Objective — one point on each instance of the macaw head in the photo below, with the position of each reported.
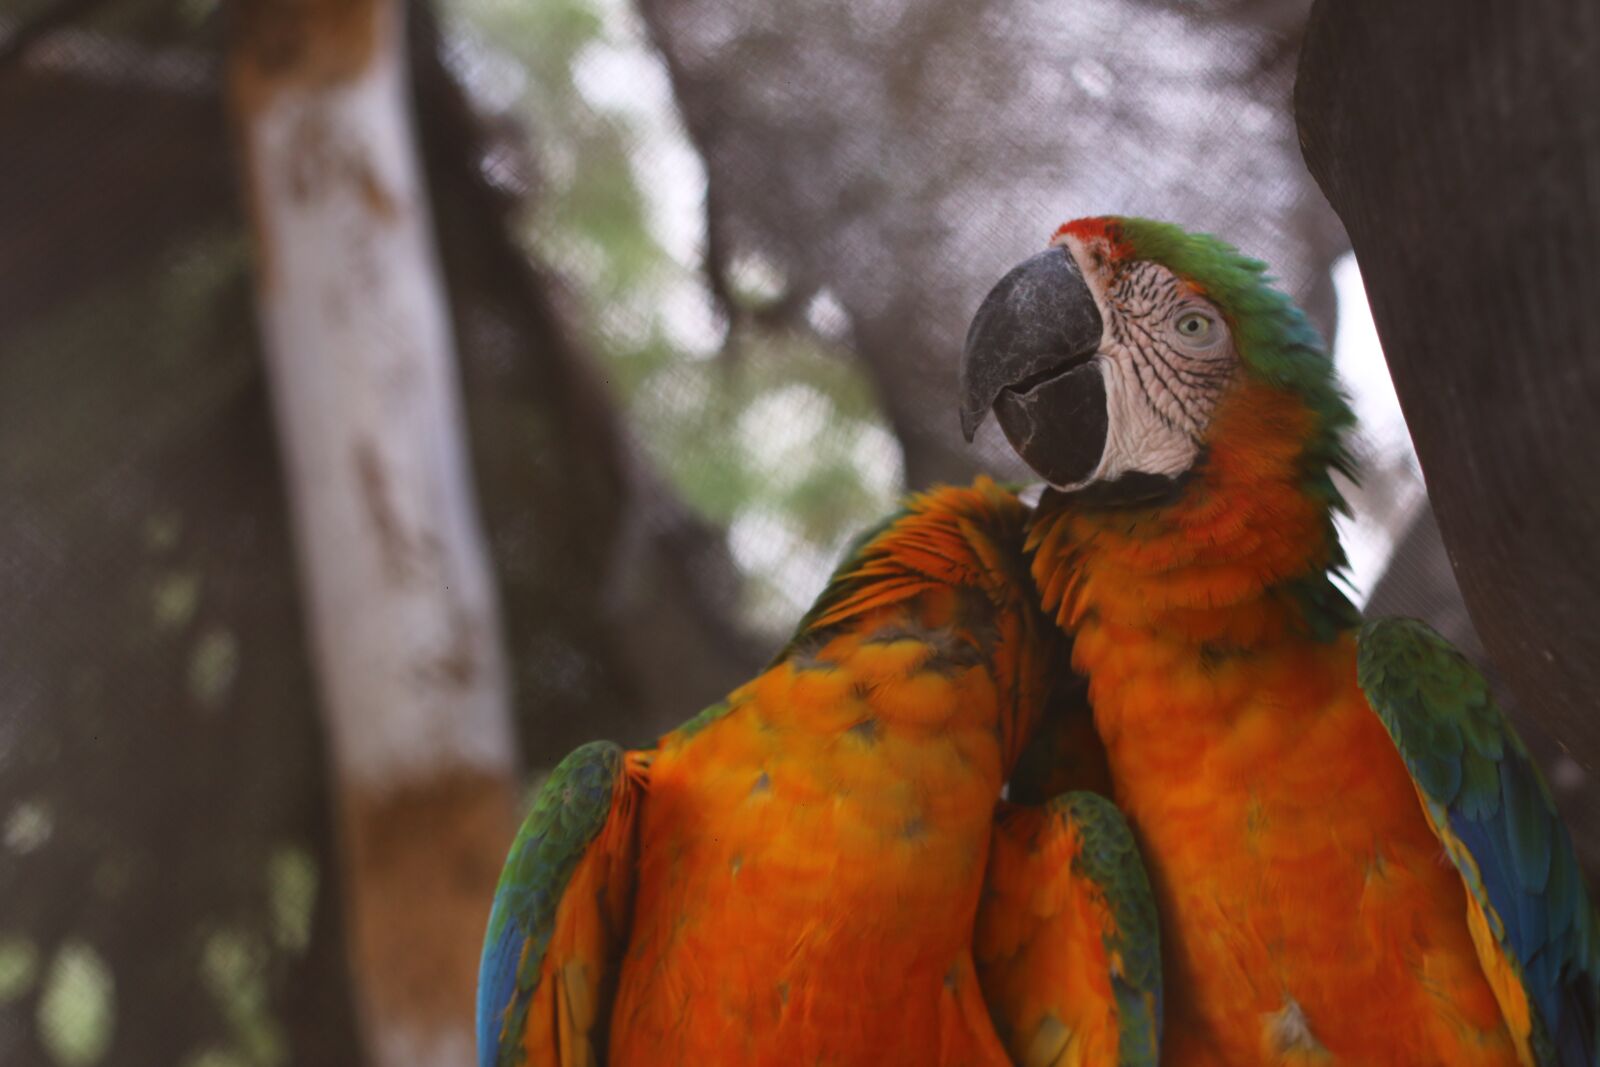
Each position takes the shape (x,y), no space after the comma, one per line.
(1129,353)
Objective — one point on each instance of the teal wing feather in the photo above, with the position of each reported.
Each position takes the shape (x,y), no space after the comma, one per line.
(1111,860)
(1496,820)
(572,808)
(1029,931)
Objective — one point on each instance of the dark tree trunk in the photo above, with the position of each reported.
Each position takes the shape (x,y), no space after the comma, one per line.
(1460,143)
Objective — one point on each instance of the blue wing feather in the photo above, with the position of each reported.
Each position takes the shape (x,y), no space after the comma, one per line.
(569,812)
(1483,791)
(497,980)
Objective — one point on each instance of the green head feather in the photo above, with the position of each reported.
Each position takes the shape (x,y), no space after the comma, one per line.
(1279,345)
(1274,338)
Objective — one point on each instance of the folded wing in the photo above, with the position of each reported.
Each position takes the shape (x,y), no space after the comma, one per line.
(1531,918)
(560,914)
(1067,947)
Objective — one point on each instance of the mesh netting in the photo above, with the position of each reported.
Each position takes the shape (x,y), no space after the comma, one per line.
(709,265)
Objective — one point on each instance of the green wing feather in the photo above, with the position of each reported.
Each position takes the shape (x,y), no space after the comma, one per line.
(1110,859)
(570,811)
(1028,927)
(1498,824)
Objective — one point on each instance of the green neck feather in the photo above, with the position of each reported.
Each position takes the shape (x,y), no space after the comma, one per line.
(1277,344)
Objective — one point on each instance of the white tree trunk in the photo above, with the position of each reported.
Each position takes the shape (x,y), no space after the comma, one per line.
(357,339)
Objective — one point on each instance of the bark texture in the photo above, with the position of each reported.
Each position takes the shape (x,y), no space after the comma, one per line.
(1460,145)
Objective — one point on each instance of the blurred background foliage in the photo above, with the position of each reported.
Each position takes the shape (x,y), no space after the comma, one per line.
(709,266)
(768,430)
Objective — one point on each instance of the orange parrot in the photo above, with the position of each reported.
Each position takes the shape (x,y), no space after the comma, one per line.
(1354,859)
(798,875)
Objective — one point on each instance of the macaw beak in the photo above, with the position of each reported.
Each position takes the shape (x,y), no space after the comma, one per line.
(1030,357)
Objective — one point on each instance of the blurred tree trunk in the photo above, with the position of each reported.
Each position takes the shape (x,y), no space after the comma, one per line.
(1458,144)
(404,623)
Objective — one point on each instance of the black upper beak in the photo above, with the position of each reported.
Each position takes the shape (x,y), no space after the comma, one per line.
(1037,323)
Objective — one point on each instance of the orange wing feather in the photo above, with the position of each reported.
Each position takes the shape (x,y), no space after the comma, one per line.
(1066,942)
(570,1009)
(812,855)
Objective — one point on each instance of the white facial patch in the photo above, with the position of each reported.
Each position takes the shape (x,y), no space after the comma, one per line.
(1137,437)
(1165,358)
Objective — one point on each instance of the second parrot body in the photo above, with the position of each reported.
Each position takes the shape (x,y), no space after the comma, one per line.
(821,842)
(799,874)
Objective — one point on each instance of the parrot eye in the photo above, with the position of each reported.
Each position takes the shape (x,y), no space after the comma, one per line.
(1195,328)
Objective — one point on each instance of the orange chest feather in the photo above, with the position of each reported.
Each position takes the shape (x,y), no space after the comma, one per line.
(1307,909)
(1308,914)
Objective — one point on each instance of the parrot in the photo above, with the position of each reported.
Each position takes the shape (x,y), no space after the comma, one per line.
(820,868)
(1353,856)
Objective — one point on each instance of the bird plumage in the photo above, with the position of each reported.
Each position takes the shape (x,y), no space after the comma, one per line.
(1270,758)
(796,874)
